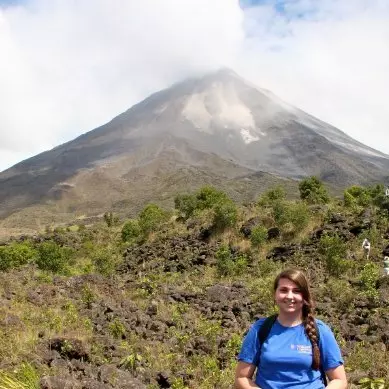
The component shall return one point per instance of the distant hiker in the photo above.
(387, 192)
(291, 349)
(366, 248)
(386, 266)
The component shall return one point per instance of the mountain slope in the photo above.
(219, 126)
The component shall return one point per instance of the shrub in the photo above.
(151, 217)
(110, 219)
(280, 213)
(16, 254)
(208, 197)
(117, 329)
(296, 214)
(369, 278)
(52, 257)
(313, 191)
(258, 235)
(185, 204)
(26, 377)
(274, 194)
(227, 264)
(356, 195)
(131, 230)
(334, 251)
(225, 214)
(104, 260)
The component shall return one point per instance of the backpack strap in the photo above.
(264, 332)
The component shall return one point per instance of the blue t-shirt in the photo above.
(286, 356)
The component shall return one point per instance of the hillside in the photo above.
(163, 300)
(217, 129)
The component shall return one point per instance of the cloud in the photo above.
(72, 66)
(329, 58)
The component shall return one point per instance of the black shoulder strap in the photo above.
(264, 332)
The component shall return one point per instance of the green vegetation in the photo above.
(313, 191)
(174, 290)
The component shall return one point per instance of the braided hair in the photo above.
(299, 278)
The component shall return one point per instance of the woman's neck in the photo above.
(288, 320)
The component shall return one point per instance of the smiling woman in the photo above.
(296, 350)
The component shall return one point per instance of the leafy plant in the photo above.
(372, 383)
(313, 191)
(186, 204)
(26, 377)
(53, 257)
(274, 194)
(334, 251)
(16, 254)
(225, 215)
(227, 264)
(131, 230)
(151, 217)
(369, 278)
(258, 235)
(117, 329)
(110, 219)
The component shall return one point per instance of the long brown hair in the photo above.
(300, 279)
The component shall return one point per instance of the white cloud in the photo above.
(72, 66)
(332, 61)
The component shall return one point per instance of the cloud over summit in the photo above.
(72, 66)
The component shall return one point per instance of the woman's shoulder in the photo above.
(258, 323)
(323, 327)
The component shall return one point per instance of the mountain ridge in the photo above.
(219, 115)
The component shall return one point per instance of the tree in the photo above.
(313, 191)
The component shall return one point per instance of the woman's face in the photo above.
(288, 297)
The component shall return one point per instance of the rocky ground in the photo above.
(164, 319)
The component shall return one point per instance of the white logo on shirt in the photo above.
(304, 349)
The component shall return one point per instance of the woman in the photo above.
(297, 347)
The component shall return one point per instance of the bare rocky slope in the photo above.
(217, 129)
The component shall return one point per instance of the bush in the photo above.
(16, 254)
(258, 235)
(334, 251)
(313, 191)
(280, 213)
(185, 204)
(356, 195)
(131, 230)
(227, 264)
(225, 215)
(110, 219)
(52, 257)
(151, 218)
(275, 194)
(369, 278)
(296, 214)
(299, 216)
(208, 197)
(104, 260)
